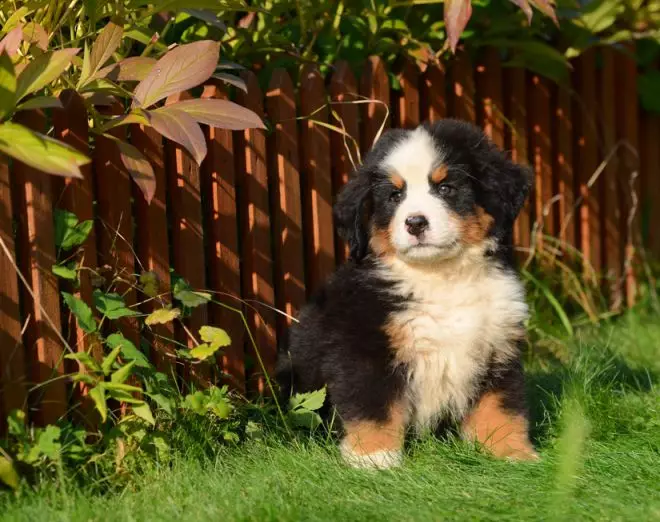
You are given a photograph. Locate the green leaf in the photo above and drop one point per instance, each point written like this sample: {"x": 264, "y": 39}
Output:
{"x": 223, "y": 114}
{"x": 40, "y": 152}
{"x": 112, "y": 305}
{"x": 16, "y": 423}
{"x": 8, "y": 473}
{"x": 40, "y": 102}
{"x": 109, "y": 360}
{"x": 561, "y": 313}
{"x": 98, "y": 396}
{"x": 48, "y": 442}
{"x": 188, "y": 297}
{"x": 68, "y": 232}
{"x": 178, "y": 126}
{"x": 83, "y": 377}
{"x": 149, "y": 283}
{"x": 104, "y": 46}
{"x": 304, "y": 419}
{"x": 65, "y": 272}
{"x": 128, "y": 350}
{"x": 83, "y": 313}
{"x": 43, "y": 70}
{"x": 7, "y": 86}
{"x": 120, "y": 386}
{"x": 182, "y": 68}
{"x": 85, "y": 359}
{"x": 214, "y": 336}
{"x": 196, "y": 402}
{"x": 311, "y": 401}
{"x": 162, "y": 316}
{"x": 144, "y": 412}
{"x": 163, "y": 401}
{"x": 203, "y": 351}
{"x": 123, "y": 373}
{"x": 123, "y": 396}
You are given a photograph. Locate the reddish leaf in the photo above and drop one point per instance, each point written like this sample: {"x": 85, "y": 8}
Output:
{"x": 457, "y": 15}
{"x": 12, "y": 41}
{"x": 231, "y": 79}
{"x": 526, "y": 8}
{"x": 181, "y": 128}
{"x": 220, "y": 113}
{"x": 133, "y": 69}
{"x": 182, "y": 68}
{"x": 138, "y": 167}
{"x": 33, "y": 33}
{"x": 546, "y": 7}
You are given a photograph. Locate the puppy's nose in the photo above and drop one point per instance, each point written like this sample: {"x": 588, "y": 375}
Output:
{"x": 416, "y": 224}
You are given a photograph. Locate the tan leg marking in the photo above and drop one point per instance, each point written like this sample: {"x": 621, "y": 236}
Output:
{"x": 505, "y": 434}
{"x": 369, "y": 444}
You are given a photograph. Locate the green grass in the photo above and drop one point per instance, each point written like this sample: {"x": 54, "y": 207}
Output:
{"x": 596, "y": 421}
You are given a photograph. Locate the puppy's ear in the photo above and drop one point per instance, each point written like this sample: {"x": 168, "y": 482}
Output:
{"x": 351, "y": 213}
{"x": 507, "y": 184}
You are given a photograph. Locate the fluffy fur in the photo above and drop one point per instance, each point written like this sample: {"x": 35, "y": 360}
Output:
{"x": 423, "y": 324}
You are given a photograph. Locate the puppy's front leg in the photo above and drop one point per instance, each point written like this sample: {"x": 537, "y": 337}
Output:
{"x": 499, "y": 417}
{"x": 375, "y": 444}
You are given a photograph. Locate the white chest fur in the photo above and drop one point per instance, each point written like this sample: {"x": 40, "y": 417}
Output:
{"x": 456, "y": 319}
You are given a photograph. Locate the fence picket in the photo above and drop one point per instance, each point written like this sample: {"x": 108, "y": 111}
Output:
{"x": 374, "y": 85}
{"x": 345, "y": 151}
{"x": 286, "y": 203}
{"x": 563, "y": 164}
{"x": 184, "y": 186}
{"x": 257, "y": 270}
{"x": 13, "y": 377}
{"x": 540, "y": 155}
{"x": 515, "y": 104}
{"x": 223, "y": 256}
{"x": 36, "y": 244}
{"x": 586, "y": 162}
{"x": 612, "y": 187}
{"x": 489, "y": 92}
{"x": 627, "y": 126}
{"x": 650, "y": 156}
{"x": 463, "y": 89}
{"x": 152, "y": 243}
{"x": 433, "y": 96}
{"x": 408, "y": 111}
{"x": 316, "y": 180}
{"x": 77, "y": 196}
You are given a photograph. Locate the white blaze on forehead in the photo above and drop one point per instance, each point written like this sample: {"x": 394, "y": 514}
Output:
{"x": 414, "y": 158}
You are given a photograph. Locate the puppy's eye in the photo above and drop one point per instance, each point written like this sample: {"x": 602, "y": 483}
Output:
{"x": 446, "y": 190}
{"x": 395, "y": 196}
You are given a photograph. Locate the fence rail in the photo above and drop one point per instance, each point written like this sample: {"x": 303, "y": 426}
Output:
{"x": 255, "y": 221}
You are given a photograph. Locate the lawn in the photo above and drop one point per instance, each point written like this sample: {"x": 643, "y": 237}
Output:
{"x": 596, "y": 411}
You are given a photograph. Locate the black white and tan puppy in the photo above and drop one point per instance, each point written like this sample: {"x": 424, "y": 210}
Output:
{"x": 424, "y": 324}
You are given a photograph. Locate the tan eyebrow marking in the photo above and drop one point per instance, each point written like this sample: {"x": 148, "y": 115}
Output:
{"x": 439, "y": 174}
{"x": 397, "y": 180}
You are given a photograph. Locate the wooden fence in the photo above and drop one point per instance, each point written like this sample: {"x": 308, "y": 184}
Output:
{"x": 255, "y": 221}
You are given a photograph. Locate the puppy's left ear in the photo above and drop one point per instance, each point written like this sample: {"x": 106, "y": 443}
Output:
{"x": 507, "y": 185}
{"x": 351, "y": 214}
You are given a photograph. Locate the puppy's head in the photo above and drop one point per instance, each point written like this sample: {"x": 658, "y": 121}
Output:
{"x": 430, "y": 193}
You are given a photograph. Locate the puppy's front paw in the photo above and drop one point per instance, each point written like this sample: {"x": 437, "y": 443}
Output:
{"x": 383, "y": 459}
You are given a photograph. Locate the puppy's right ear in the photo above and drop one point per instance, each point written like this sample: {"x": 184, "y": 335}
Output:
{"x": 352, "y": 214}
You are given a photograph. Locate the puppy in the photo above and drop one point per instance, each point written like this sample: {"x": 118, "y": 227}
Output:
{"x": 424, "y": 323}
